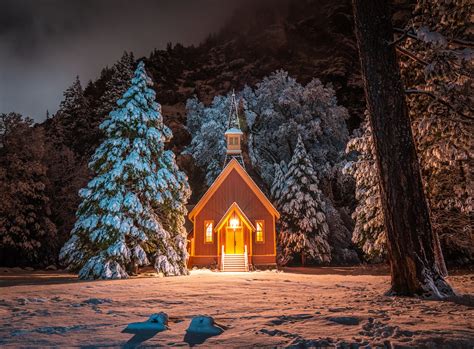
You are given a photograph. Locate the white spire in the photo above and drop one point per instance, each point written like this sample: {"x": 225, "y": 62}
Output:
{"x": 233, "y": 134}
{"x": 233, "y": 114}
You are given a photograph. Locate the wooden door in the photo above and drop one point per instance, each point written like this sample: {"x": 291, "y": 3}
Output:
{"x": 234, "y": 241}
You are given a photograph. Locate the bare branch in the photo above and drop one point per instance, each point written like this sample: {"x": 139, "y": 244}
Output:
{"x": 411, "y": 55}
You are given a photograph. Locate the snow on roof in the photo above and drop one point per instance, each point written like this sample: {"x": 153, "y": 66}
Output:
{"x": 233, "y": 164}
{"x": 233, "y": 130}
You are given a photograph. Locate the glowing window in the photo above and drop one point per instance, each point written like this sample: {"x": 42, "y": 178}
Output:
{"x": 259, "y": 232}
{"x": 208, "y": 231}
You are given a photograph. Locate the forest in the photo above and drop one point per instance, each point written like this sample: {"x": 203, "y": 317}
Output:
{"x": 308, "y": 141}
{"x": 302, "y": 178}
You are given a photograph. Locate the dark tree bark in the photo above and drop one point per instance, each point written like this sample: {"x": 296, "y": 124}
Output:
{"x": 411, "y": 242}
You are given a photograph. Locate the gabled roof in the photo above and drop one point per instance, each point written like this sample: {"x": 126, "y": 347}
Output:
{"x": 235, "y": 208}
{"x": 233, "y": 165}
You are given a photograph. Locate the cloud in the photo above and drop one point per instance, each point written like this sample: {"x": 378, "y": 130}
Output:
{"x": 45, "y": 44}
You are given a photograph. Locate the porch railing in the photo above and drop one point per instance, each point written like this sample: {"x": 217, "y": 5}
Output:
{"x": 222, "y": 257}
{"x": 246, "y": 258}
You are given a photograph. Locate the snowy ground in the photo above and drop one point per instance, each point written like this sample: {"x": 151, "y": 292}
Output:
{"x": 298, "y": 307}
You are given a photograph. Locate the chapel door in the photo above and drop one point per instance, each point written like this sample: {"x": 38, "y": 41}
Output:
{"x": 234, "y": 241}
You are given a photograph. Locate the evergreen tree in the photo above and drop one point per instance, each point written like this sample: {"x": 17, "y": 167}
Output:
{"x": 71, "y": 122}
{"x": 115, "y": 87}
{"x": 207, "y": 125}
{"x": 416, "y": 268}
{"x": 67, "y": 174}
{"x": 133, "y": 210}
{"x": 369, "y": 231}
{"x": 440, "y": 103}
{"x": 279, "y": 183}
{"x": 280, "y": 109}
{"x": 69, "y": 142}
{"x": 27, "y": 235}
{"x": 437, "y": 100}
{"x": 304, "y": 230}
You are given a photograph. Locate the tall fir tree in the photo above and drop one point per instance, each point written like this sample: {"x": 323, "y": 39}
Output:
{"x": 71, "y": 122}
{"x": 133, "y": 210}
{"x": 438, "y": 108}
{"x": 304, "y": 230}
{"x": 27, "y": 234}
{"x": 416, "y": 268}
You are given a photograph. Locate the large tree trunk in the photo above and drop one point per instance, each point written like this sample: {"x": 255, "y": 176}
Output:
{"x": 411, "y": 241}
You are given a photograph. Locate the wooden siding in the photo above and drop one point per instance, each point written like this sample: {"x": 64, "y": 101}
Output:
{"x": 234, "y": 189}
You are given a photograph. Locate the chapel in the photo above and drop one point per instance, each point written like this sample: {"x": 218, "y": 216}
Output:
{"x": 233, "y": 222}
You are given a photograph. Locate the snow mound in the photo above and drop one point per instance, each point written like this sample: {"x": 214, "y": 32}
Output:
{"x": 200, "y": 329}
{"x": 156, "y": 323}
{"x": 204, "y": 325}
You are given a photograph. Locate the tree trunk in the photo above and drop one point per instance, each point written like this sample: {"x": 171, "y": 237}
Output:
{"x": 411, "y": 241}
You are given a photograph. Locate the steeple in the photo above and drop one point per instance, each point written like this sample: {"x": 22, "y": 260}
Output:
{"x": 233, "y": 134}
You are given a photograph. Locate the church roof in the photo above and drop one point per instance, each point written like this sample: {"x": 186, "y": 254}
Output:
{"x": 233, "y": 165}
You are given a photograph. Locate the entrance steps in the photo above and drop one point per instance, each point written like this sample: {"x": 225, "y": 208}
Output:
{"x": 234, "y": 262}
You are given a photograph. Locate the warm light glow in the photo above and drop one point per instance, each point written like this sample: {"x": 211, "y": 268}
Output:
{"x": 234, "y": 223}
{"x": 259, "y": 233}
{"x": 208, "y": 235}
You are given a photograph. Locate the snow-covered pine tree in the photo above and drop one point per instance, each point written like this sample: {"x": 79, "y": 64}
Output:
{"x": 207, "y": 126}
{"x": 369, "y": 232}
{"x": 304, "y": 230}
{"x": 133, "y": 210}
{"x": 194, "y": 115}
{"x": 279, "y": 183}
{"x": 440, "y": 90}
{"x": 279, "y": 109}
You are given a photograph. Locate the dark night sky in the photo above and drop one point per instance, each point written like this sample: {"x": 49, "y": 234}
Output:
{"x": 44, "y": 44}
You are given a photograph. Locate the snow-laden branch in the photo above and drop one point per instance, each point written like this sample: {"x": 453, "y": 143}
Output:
{"x": 412, "y": 35}
{"x": 439, "y": 100}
